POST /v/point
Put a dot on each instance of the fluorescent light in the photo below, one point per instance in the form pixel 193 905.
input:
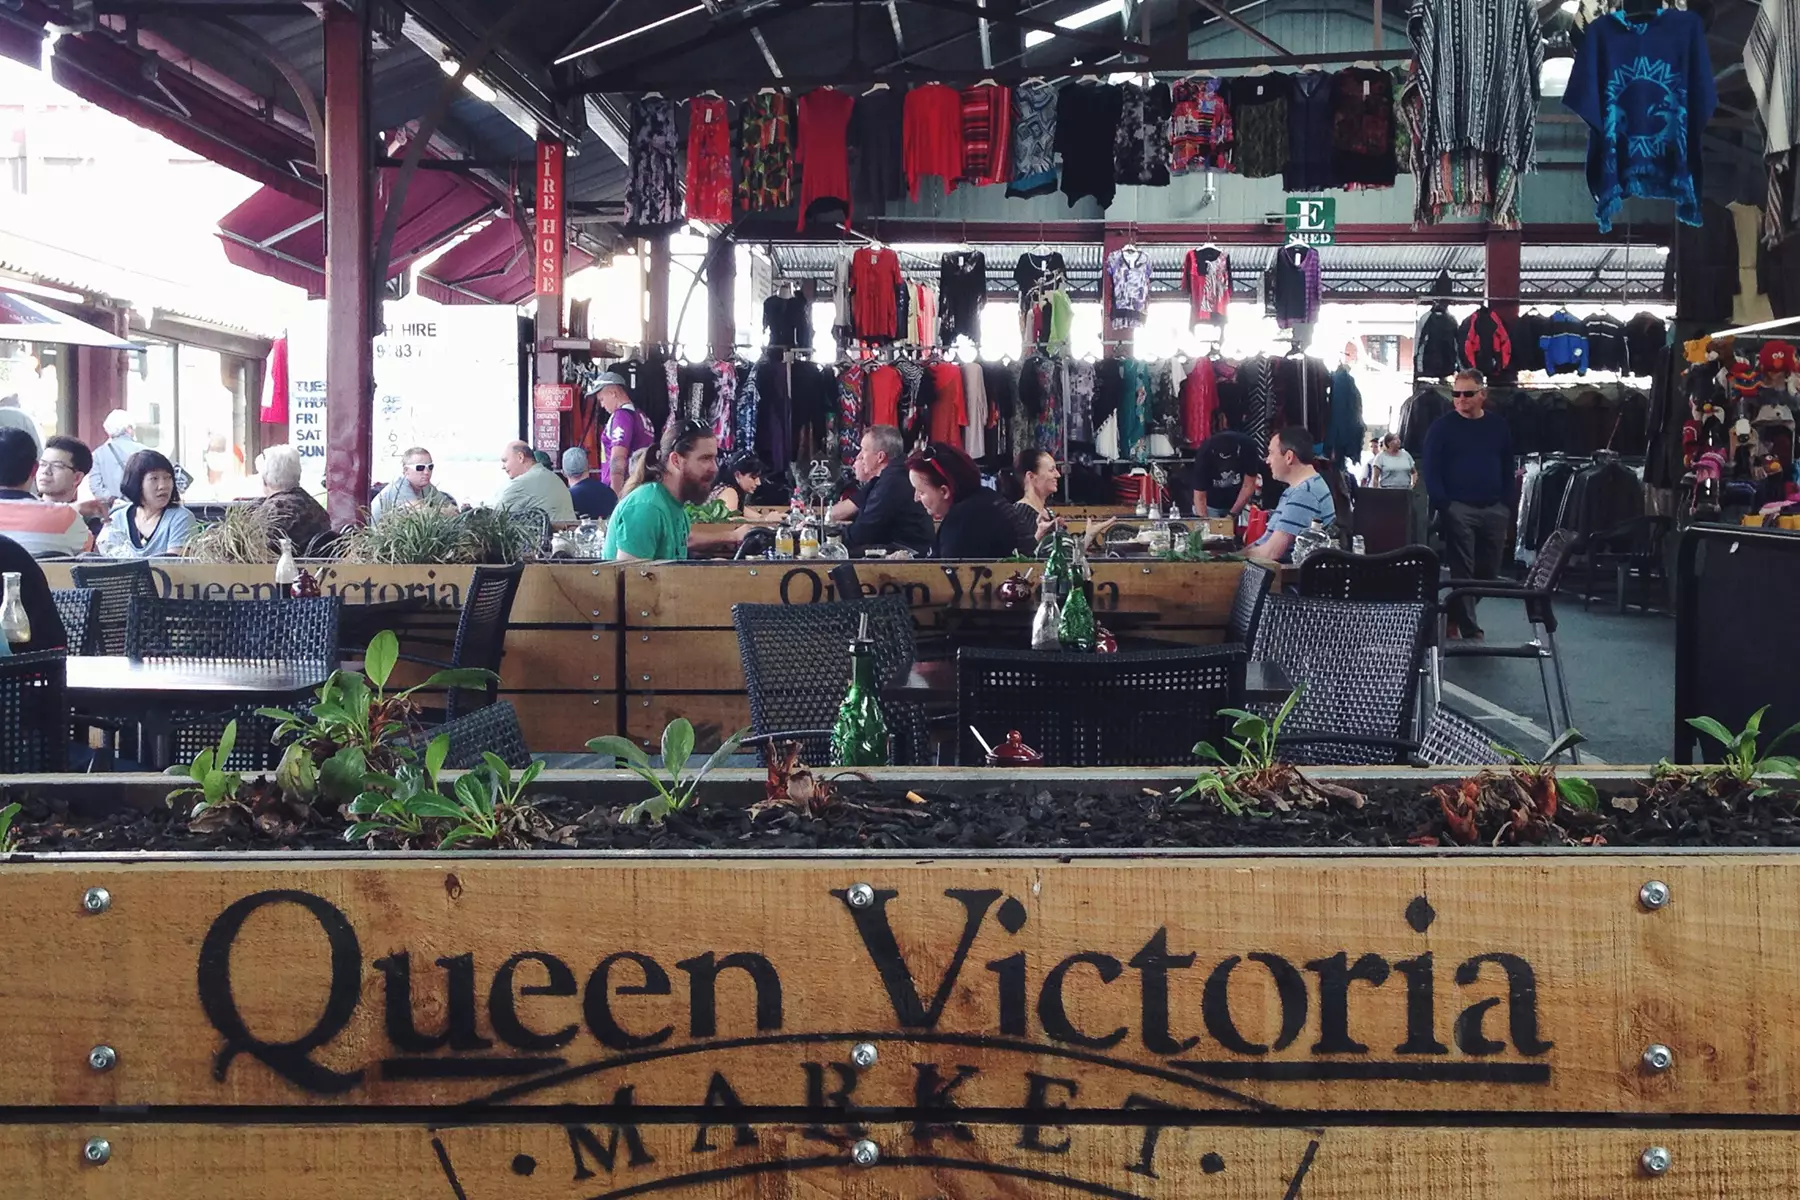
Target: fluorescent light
pixel 631 33
pixel 472 82
pixel 1087 16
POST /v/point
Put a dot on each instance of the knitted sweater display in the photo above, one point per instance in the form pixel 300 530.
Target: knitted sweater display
pixel 1646 91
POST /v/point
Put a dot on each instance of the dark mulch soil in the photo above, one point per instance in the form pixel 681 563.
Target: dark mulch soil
pixel 870 817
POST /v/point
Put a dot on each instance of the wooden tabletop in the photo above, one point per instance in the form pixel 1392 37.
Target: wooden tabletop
pixel 112 673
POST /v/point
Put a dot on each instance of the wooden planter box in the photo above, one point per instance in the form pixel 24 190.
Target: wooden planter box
pixel 1428 1025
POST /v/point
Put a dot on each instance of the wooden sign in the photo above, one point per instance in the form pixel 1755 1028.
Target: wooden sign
pixel 597 1159
pixel 1247 990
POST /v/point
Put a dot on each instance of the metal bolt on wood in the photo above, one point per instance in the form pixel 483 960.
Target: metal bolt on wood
pixel 103 1058
pixel 864 1054
pixel 1654 895
pixel 97 1151
pixel 1658 1058
pixel 860 895
pixel 865 1153
pixel 1655 1160
pixel 96 900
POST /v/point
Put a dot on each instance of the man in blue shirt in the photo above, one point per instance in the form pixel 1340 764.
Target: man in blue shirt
pixel 1307 497
pixel 1468 472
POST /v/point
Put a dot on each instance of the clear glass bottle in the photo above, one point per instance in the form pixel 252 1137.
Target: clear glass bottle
pixel 1046 621
pixel 1311 539
pixel 859 736
pixel 809 539
pixel 14 623
pixel 285 569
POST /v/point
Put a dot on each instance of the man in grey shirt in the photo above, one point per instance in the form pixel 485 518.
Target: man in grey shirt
pixel 531 486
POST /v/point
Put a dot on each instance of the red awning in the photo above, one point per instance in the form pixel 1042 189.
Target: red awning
pixel 491 267
pixel 283 237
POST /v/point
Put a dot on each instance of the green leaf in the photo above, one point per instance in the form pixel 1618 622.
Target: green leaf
pixel 382 654
pixel 472 789
pixel 1570 739
pixel 1714 730
pixel 342 774
pixel 360 830
pixel 436 751
pixel 1510 755
pixel 213 787
pixel 201 766
pixel 458 677
pixel 677 745
pixel 426 805
pixel 278 714
pixel 1578 793
pixel 1239 714
pixel 227 743
pixel 1784 735
pixel 1207 750
pixel 1753 726
pixel 367 803
pixel 620 748
pixel 653 810
pixel 496 764
pixel 531 773
pixel 1780 764
pixel 461 833
pixel 726 749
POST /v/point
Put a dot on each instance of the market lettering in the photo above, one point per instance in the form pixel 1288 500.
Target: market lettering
pixel 464 1015
pixel 803 585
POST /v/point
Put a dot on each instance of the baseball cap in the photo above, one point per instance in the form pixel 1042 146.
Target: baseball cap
pixel 606 379
pixel 575 461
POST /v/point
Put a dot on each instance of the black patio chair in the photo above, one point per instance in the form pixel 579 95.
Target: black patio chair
pixel 480 639
pixel 77 608
pixel 256 631
pixel 34 713
pixel 1408 575
pixel 796 661
pixel 493 728
pixel 1356 666
pixel 1133 708
pixel 119 583
pixel 1635 550
pixel 1454 739
pixel 1537 592
pixel 1246 603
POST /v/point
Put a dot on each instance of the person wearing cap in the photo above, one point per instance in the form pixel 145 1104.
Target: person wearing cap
pixel 414 486
pixel 591 496
pixel 627 430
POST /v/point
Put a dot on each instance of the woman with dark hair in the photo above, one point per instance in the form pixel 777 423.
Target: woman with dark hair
pixel 149 521
pixel 1030 483
pixel 744 483
pixel 973 521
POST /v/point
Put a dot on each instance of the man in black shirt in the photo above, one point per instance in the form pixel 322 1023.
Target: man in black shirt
pixel 887 514
pixel 40 607
pixel 1226 470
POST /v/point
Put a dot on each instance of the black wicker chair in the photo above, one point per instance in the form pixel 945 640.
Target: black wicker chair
pixel 1634 550
pixel 273 631
pixel 1538 592
pixel 1453 739
pixel 797 665
pixel 119 584
pixel 480 639
pixel 1357 668
pixel 1246 604
pixel 34 713
pixel 1135 708
pixel 494 728
pixel 1408 575
pixel 77 607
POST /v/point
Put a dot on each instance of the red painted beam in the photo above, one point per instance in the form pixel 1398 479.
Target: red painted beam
pixel 349 316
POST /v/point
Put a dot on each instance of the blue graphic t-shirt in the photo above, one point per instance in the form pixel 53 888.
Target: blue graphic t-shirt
pixel 1646 91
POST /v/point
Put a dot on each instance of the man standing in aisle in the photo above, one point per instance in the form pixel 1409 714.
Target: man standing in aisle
pixel 531 486
pixel 1468 473
pixel 627 431
pixel 651 522
pixel 885 511
pixel 110 459
pixel 1307 497
pixel 1224 476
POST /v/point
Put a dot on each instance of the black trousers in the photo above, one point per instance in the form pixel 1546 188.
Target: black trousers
pixel 1474 541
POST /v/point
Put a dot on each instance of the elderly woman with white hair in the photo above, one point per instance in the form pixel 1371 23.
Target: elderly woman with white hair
pixel 293 513
pixel 110 456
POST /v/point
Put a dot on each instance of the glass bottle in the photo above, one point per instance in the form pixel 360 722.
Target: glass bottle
pixel 13 621
pixel 859 736
pixel 1311 539
pixel 809 539
pixel 1045 621
pixel 285 570
pixel 1058 568
pixel 1076 629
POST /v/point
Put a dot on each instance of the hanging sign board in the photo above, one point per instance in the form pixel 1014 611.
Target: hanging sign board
pixel 547 242
pixel 1312 219
pixel 553 397
pixel 446 378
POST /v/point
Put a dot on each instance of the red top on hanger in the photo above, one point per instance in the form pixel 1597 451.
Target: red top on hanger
pixel 933 135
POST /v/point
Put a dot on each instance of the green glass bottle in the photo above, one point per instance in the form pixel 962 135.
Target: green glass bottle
pixel 1058 567
pixel 859 736
pixel 1076 631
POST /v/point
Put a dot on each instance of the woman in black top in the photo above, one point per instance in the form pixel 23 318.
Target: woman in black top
pixel 744 482
pixel 973 521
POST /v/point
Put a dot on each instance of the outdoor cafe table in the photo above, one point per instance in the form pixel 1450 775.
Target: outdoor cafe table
pixel 150 691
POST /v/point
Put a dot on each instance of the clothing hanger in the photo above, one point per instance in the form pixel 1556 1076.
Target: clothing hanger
pixel 653 95
pixel 768 91
pixel 713 94
pixel 988 82
pixel 879 87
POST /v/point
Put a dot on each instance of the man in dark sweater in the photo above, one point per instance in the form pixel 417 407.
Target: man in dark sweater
pixel 1468 472
pixel 885 513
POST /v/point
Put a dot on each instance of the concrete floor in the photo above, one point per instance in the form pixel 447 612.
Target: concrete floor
pixel 1620 670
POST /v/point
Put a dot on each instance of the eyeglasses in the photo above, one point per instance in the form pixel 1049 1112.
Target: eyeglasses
pixel 423 467
pixel 1462 395
pixel 52 465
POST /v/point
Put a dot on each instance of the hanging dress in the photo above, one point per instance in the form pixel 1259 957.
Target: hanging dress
pixel 709 160
pixel 765 153
pixel 650 194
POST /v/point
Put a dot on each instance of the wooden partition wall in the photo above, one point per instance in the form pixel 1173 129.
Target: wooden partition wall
pixel 598 648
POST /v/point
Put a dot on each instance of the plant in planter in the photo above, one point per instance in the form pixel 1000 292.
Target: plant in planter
pixel 421 533
pixel 242 535
pixel 485 804
pixel 1744 761
pixel 224 800
pixel 9 841
pixel 1259 776
pixel 673 792
pixel 1522 804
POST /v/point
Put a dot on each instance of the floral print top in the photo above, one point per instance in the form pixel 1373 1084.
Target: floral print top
pixel 1200 133
pixel 1141 143
pixel 651 196
pixel 765 153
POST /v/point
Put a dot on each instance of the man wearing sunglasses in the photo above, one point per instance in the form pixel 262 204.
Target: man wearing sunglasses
pixel 1468 472
pixel 414 486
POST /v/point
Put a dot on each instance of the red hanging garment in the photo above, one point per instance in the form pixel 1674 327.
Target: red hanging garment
pixel 933 135
pixel 986 134
pixel 874 278
pixel 1199 401
pixel 822 151
pixel 709 160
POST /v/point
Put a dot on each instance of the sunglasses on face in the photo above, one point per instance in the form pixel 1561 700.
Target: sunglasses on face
pixel 1462 395
pixel 423 467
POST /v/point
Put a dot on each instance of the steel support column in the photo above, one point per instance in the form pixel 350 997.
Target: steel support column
pixel 100 376
pixel 656 291
pixel 349 296
pixel 1503 246
pixel 721 295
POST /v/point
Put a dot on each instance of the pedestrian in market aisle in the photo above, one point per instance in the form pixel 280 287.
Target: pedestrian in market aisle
pixel 1225 474
pixel 531 486
pixel 1468 473
pixel 1305 499
pixel 627 431
pixel 112 455
pixel 291 512
pixel 414 486
pixel 651 522
pixel 591 497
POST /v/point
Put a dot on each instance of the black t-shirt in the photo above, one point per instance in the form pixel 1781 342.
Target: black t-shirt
pixel 1087 126
pixel 34 592
pixel 980 526
pixel 962 287
pixel 788 320
pixel 1219 468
